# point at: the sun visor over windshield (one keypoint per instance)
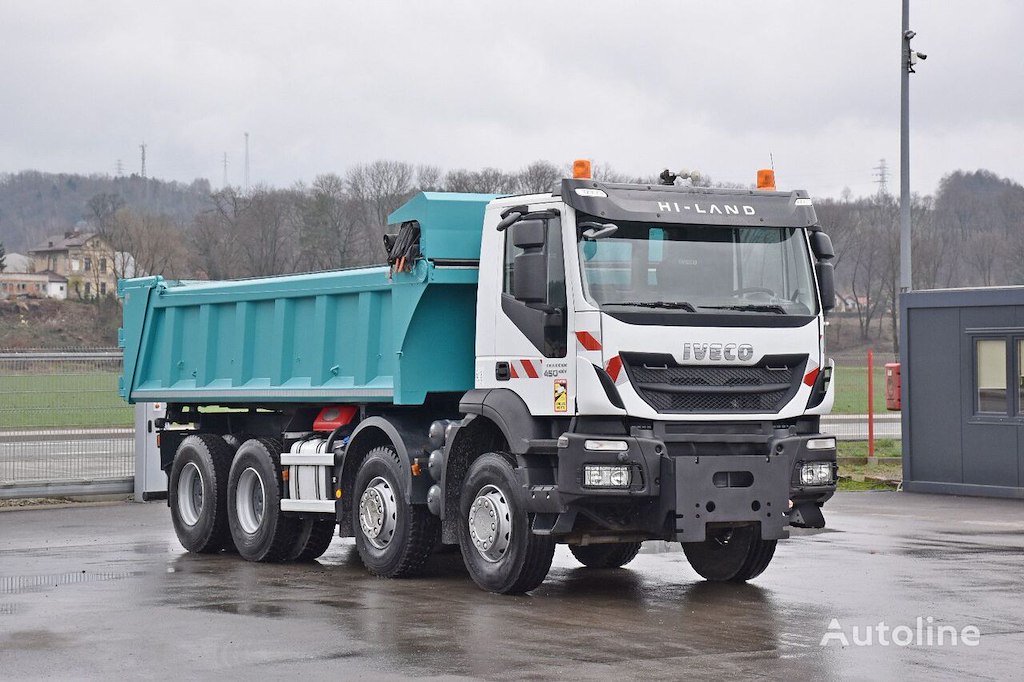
(691, 205)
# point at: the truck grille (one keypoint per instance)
(668, 386)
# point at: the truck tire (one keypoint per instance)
(501, 552)
(614, 555)
(314, 537)
(732, 554)
(394, 538)
(260, 531)
(198, 493)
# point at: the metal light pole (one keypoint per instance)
(909, 59)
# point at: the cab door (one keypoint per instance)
(533, 318)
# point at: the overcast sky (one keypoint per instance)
(717, 86)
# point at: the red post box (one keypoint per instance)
(892, 386)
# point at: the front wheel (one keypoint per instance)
(731, 554)
(615, 555)
(499, 549)
(393, 537)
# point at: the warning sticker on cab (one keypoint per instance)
(561, 396)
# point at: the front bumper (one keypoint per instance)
(681, 482)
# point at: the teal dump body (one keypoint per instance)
(359, 335)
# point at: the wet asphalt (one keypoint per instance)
(106, 591)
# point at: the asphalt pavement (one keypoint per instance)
(106, 591)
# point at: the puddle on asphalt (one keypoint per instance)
(952, 548)
(18, 584)
(259, 609)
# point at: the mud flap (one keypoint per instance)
(734, 489)
(807, 515)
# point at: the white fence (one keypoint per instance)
(63, 428)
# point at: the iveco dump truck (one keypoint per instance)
(597, 366)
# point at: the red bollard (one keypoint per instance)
(871, 405)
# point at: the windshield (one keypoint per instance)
(747, 270)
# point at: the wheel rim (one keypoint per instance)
(490, 523)
(190, 494)
(378, 513)
(250, 501)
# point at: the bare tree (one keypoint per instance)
(484, 181)
(380, 187)
(539, 176)
(429, 179)
(327, 225)
(268, 234)
(214, 235)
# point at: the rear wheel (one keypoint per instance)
(613, 555)
(314, 537)
(197, 490)
(731, 554)
(260, 531)
(501, 552)
(393, 537)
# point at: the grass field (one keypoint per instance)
(852, 390)
(864, 476)
(90, 399)
(62, 401)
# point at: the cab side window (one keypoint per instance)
(536, 303)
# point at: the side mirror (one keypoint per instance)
(530, 268)
(826, 284)
(821, 245)
(596, 231)
(529, 234)
(531, 278)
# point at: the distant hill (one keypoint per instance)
(34, 204)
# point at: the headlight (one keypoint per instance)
(821, 444)
(607, 476)
(816, 473)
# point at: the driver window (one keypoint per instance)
(545, 324)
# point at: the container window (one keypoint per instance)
(990, 375)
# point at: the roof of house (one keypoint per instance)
(63, 243)
(45, 275)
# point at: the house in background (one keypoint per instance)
(84, 258)
(17, 262)
(44, 284)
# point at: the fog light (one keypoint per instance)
(821, 444)
(606, 476)
(816, 473)
(606, 445)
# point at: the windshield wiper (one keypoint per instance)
(751, 307)
(668, 305)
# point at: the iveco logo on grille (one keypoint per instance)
(717, 352)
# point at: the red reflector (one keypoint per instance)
(588, 341)
(333, 416)
(811, 376)
(614, 367)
